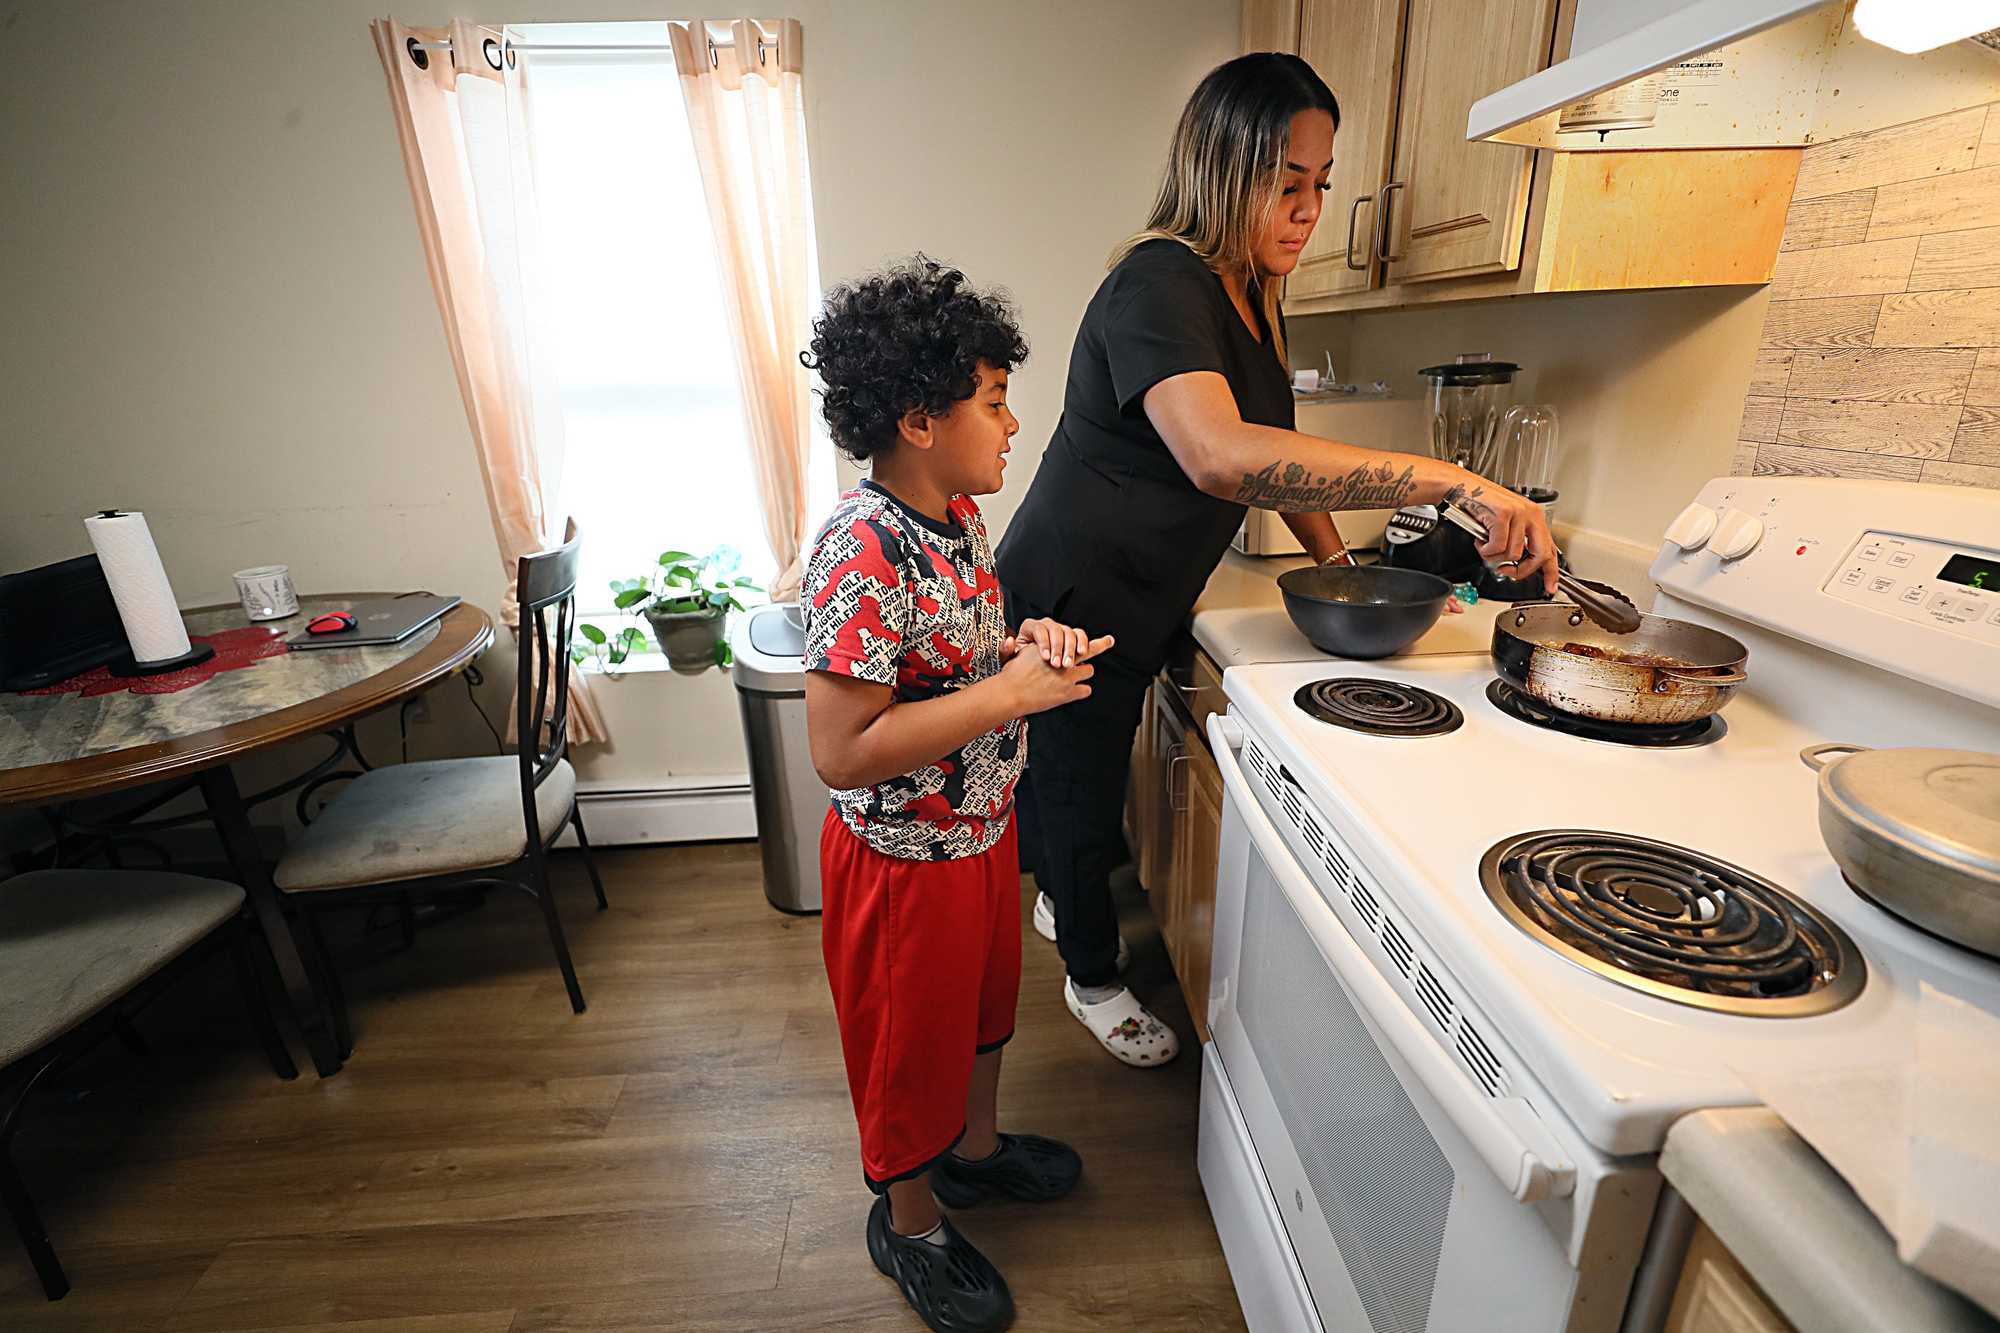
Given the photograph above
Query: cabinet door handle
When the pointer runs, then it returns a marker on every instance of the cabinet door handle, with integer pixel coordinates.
(1353, 216)
(1177, 791)
(1384, 220)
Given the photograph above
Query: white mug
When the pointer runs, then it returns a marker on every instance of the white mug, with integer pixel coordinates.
(267, 592)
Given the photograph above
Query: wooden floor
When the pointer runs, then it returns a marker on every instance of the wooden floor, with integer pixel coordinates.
(681, 1157)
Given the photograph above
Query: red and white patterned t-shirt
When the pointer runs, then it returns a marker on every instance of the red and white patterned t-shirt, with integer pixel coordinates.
(899, 599)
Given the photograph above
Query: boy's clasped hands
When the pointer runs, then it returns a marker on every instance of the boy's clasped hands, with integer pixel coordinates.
(1048, 664)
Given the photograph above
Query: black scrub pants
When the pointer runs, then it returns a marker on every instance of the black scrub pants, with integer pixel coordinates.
(1072, 807)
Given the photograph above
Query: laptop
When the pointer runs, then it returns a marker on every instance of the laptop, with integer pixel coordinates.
(56, 621)
(379, 621)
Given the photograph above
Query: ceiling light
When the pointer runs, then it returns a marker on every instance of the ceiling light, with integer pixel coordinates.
(1911, 26)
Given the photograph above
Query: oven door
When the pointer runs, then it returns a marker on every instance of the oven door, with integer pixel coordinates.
(1407, 1195)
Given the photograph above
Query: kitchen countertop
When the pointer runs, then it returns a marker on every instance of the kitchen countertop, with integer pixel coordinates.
(1801, 1232)
(1240, 618)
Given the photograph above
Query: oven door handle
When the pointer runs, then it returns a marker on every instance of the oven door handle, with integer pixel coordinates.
(1505, 1131)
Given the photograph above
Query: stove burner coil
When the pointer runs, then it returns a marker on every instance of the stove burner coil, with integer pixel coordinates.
(1379, 707)
(1516, 704)
(1674, 923)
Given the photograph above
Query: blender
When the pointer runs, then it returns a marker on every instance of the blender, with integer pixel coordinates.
(1469, 400)
(1525, 455)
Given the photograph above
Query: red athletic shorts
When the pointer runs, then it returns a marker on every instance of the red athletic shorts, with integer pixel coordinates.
(924, 958)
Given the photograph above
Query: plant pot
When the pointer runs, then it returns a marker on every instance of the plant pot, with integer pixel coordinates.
(689, 638)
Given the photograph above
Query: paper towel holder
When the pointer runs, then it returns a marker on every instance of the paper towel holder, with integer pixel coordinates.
(126, 666)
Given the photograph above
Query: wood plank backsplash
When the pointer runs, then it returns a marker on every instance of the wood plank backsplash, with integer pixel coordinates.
(1881, 353)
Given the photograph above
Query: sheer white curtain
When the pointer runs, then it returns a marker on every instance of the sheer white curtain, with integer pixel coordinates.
(743, 84)
(461, 120)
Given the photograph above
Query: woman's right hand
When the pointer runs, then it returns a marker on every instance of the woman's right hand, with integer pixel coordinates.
(1518, 541)
(1035, 686)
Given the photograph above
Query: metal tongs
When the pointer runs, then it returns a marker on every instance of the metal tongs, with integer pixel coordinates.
(1604, 604)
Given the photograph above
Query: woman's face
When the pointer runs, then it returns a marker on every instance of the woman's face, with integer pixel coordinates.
(1308, 162)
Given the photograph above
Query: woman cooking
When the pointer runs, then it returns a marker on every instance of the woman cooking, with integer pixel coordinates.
(1177, 415)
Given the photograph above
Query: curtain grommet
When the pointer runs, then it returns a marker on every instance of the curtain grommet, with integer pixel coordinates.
(491, 49)
(513, 57)
(418, 56)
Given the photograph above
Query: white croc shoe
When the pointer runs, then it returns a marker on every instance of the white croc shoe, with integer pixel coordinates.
(1045, 926)
(1125, 1028)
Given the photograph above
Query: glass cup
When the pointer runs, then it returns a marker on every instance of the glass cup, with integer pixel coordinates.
(267, 592)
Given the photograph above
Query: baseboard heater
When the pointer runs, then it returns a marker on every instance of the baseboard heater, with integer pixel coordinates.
(709, 810)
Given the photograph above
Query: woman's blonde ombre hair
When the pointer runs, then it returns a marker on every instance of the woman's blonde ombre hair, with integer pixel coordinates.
(1225, 163)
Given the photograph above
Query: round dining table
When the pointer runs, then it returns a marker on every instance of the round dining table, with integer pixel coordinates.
(97, 733)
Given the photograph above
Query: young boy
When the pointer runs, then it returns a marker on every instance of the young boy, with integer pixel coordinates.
(914, 699)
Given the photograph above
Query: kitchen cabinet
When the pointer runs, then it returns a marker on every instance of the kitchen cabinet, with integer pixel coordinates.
(1202, 694)
(1438, 219)
(1357, 48)
(1269, 25)
(1197, 845)
(1177, 823)
(1716, 1295)
(1165, 749)
(1455, 208)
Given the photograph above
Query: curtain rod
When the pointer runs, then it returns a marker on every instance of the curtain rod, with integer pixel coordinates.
(713, 45)
(495, 52)
(566, 46)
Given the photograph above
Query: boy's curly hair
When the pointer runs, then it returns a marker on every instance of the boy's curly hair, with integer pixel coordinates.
(909, 338)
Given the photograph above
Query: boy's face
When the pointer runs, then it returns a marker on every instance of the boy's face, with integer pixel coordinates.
(969, 444)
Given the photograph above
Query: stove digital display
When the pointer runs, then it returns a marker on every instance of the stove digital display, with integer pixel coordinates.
(1972, 571)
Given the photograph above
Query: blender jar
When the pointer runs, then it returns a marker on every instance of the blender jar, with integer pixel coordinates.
(1467, 399)
(1528, 452)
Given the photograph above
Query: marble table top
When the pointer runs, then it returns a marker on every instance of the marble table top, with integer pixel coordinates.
(55, 728)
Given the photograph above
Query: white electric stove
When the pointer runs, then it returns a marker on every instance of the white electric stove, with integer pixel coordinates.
(1425, 1109)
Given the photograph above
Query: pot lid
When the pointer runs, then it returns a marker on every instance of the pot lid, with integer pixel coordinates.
(1469, 373)
(1945, 803)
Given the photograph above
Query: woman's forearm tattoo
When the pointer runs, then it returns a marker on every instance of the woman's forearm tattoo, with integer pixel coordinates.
(1469, 501)
(1290, 488)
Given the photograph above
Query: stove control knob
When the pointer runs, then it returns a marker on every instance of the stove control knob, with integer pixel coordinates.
(1694, 527)
(1736, 534)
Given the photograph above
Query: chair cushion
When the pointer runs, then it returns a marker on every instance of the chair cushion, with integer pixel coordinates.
(409, 821)
(74, 941)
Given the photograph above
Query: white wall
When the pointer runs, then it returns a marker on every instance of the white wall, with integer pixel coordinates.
(1648, 387)
(1020, 141)
(216, 308)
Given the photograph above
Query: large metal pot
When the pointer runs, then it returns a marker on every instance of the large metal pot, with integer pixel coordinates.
(1917, 832)
(1665, 673)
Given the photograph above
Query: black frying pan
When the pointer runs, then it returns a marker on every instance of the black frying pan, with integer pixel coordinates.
(1362, 611)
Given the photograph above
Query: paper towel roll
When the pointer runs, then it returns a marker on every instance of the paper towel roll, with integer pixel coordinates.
(139, 586)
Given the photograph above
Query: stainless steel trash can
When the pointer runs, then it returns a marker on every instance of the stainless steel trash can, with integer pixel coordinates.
(769, 645)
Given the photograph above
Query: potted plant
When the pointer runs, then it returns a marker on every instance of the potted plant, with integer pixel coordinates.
(686, 599)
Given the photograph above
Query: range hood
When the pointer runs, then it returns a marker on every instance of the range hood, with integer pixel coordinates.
(1645, 74)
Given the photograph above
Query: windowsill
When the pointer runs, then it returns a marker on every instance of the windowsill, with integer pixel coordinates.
(643, 664)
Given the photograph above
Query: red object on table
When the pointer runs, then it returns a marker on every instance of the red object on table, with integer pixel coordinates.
(234, 650)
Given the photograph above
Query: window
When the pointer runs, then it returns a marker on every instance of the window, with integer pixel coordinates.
(655, 454)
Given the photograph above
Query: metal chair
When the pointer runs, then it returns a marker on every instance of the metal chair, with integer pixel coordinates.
(442, 826)
(80, 952)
